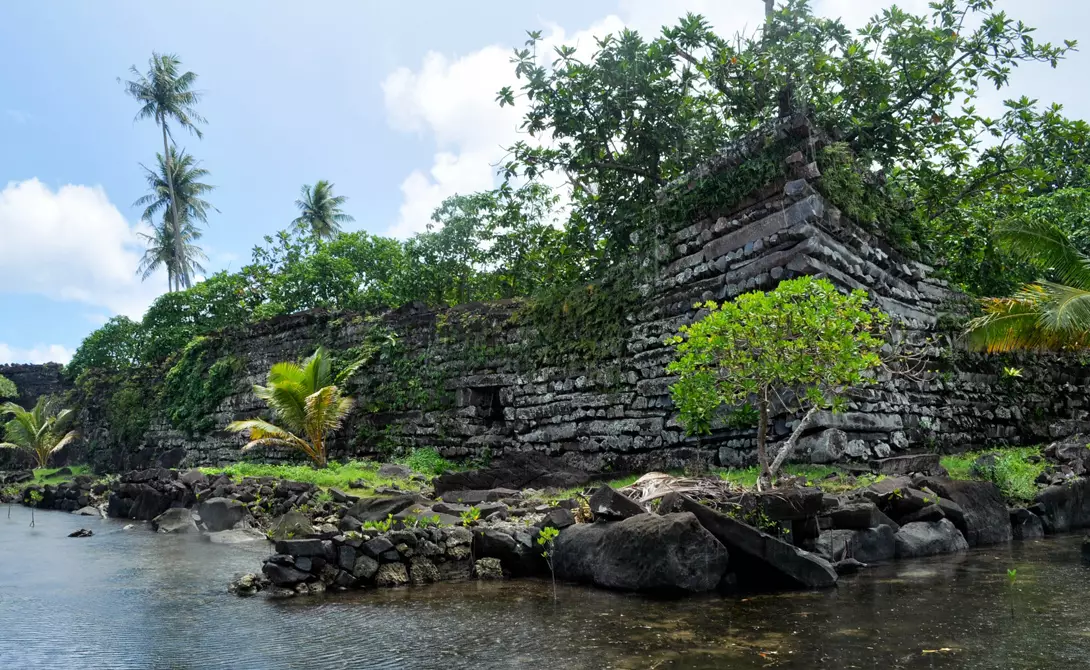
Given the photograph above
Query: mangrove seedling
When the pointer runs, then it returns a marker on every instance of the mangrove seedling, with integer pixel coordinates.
(35, 499)
(1012, 577)
(470, 516)
(546, 539)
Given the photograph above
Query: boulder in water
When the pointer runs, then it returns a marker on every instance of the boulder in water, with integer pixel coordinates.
(221, 514)
(175, 520)
(927, 538)
(647, 552)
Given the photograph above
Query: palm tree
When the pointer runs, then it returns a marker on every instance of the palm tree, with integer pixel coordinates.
(167, 95)
(1049, 314)
(306, 402)
(161, 252)
(38, 430)
(320, 210)
(188, 192)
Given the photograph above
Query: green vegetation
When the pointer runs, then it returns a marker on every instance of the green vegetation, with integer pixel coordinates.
(805, 337)
(359, 475)
(427, 461)
(308, 403)
(197, 384)
(320, 212)
(546, 538)
(7, 388)
(827, 478)
(1014, 470)
(626, 126)
(40, 431)
(167, 95)
(470, 516)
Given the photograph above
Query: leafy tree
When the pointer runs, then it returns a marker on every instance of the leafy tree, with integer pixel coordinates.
(1051, 313)
(638, 114)
(220, 301)
(307, 403)
(7, 388)
(181, 261)
(320, 211)
(115, 346)
(798, 346)
(166, 95)
(41, 431)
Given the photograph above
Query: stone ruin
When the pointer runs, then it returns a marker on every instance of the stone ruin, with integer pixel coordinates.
(479, 395)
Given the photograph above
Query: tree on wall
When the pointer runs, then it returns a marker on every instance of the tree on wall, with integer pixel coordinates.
(7, 388)
(800, 346)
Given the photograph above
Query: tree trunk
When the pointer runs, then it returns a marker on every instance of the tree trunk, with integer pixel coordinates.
(764, 480)
(179, 247)
(789, 446)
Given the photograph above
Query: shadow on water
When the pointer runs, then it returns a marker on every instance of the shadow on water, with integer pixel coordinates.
(133, 599)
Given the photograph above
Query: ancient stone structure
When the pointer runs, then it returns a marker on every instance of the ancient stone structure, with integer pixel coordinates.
(468, 380)
(33, 381)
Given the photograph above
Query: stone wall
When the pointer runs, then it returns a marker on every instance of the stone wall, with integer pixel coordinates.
(32, 381)
(466, 380)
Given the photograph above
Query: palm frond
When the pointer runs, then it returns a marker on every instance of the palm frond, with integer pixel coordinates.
(1048, 248)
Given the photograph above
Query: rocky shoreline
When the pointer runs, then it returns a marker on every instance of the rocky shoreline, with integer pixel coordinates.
(661, 534)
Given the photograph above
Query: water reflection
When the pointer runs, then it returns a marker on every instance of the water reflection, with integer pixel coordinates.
(132, 599)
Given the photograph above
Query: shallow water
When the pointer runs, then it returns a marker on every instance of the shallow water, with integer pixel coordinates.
(133, 599)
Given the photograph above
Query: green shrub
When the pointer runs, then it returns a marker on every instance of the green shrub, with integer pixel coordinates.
(1013, 470)
(427, 461)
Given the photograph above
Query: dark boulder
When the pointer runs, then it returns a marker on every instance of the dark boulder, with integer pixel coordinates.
(377, 509)
(610, 505)
(378, 547)
(558, 518)
(927, 464)
(292, 525)
(648, 552)
(929, 538)
(787, 504)
(758, 558)
(478, 497)
(1025, 525)
(930, 513)
(221, 514)
(175, 520)
(283, 575)
(118, 507)
(514, 546)
(309, 548)
(859, 515)
(868, 545)
(986, 520)
(519, 470)
(82, 532)
(395, 471)
(172, 458)
(148, 505)
(1065, 507)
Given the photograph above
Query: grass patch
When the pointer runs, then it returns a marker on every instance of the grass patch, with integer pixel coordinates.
(427, 462)
(613, 483)
(1014, 470)
(814, 475)
(356, 475)
(50, 476)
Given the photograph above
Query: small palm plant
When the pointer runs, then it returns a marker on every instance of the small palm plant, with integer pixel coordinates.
(40, 431)
(307, 403)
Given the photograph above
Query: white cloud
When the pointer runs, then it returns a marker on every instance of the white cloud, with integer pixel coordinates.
(40, 353)
(71, 244)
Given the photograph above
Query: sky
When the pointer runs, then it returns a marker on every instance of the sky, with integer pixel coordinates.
(392, 102)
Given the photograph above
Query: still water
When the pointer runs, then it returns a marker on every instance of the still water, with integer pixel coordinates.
(133, 599)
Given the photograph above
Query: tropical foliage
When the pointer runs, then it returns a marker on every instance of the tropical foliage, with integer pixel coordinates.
(798, 347)
(1052, 313)
(167, 96)
(320, 211)
(307, 403)
(40, 431)
(7, 388)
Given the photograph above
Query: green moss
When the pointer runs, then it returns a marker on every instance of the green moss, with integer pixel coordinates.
(1015, 470)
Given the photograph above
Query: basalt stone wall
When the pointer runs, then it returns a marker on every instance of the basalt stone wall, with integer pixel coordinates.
(468, 380)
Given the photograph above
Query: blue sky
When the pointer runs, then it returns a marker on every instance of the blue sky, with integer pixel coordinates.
(393, 102)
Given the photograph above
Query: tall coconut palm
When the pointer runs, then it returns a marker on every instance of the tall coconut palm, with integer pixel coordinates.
(320, 210)
(167, 95)
(40, 431)
(188, 191)
(162, 252)
(307, 404)
(1049, 314)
